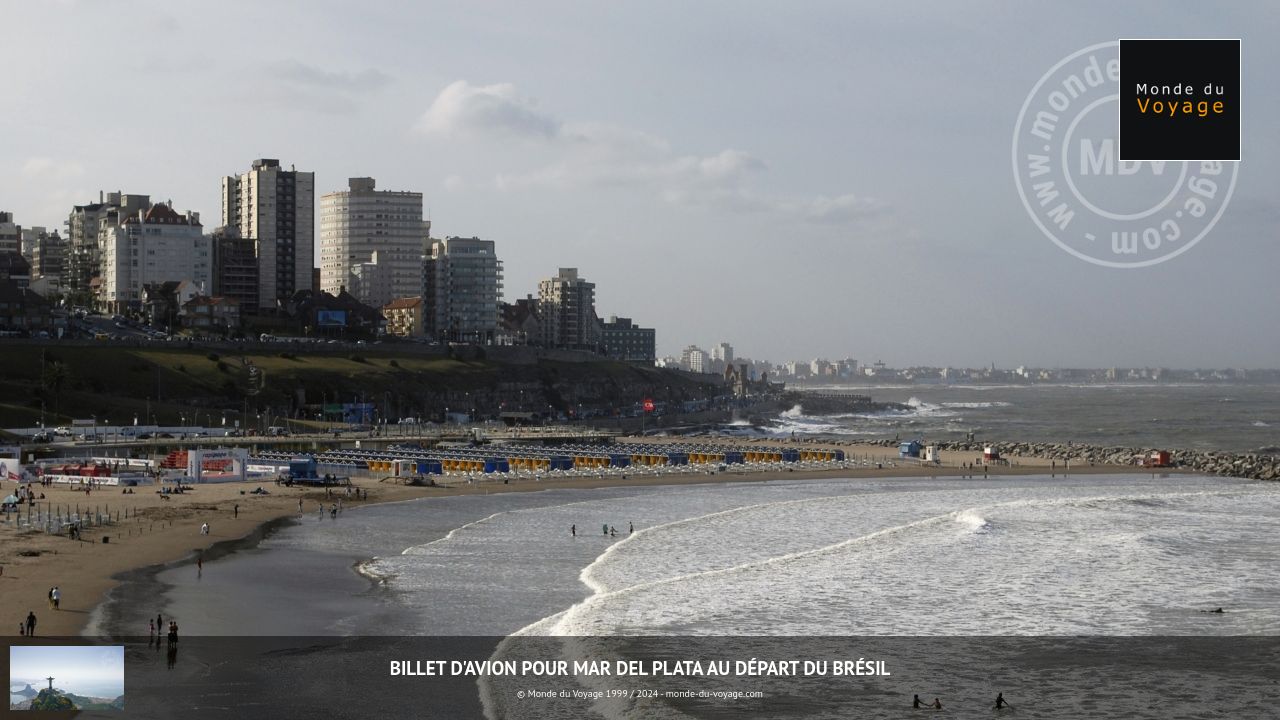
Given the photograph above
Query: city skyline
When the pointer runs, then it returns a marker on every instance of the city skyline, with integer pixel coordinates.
(801, 192)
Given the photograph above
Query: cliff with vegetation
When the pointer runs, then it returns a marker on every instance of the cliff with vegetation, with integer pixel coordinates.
(163, 384)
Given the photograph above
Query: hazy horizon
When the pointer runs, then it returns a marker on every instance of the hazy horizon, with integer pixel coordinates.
(827, 180)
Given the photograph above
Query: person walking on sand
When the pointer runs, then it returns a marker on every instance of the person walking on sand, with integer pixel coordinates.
(31, 624)
(299, 506)
(204, 529)
(50, 598)
(236, 511)
(56, 594)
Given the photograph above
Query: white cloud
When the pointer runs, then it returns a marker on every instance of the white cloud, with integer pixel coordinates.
(588, 155)
(842, 208)
(463, 108)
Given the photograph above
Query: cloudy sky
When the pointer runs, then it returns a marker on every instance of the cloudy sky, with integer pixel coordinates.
(799, 179)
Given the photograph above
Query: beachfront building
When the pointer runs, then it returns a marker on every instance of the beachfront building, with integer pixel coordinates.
(85, 227)
(462, 290)
(567, 306)
(722, 352)
(15, 269)
(235, 269)
(45, 251)
(20, 307)
(275, 209)
(621, 339)
(519, 322)
(151, 247)
(371, 242)
(341, 315)
(695, 359)
(211, 314)
(405, 317)
(10, 233)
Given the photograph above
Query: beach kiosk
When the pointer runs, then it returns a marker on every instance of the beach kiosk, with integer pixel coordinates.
(990, 454)
(931, 454)
(1159, 458)
(909, 449)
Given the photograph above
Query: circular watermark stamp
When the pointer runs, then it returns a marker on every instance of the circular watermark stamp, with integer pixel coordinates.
(1083, 197)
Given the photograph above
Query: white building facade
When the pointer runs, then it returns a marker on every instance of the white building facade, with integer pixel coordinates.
(363, 225)
(154, 246)
(567, 304)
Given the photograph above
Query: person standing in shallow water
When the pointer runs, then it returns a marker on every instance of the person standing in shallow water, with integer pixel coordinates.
(573, 530)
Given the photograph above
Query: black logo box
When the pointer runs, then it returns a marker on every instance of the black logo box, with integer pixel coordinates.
(1180, 64)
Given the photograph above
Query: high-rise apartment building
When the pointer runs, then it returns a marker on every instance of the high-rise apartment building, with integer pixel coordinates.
(462, 290)
(45, 251)
(371, 242)
(152, 247)
(567, 304)
(722, 352)
(275, 208)
(10, 233)
(85, 227)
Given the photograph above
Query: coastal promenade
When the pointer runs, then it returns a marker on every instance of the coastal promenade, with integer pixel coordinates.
(311, 441)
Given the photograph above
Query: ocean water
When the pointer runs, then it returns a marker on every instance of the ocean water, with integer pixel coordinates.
(1088, 556)
(1241, 418)
(1094, 555)
(1026, 555)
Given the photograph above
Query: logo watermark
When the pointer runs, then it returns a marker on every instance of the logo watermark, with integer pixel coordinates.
(1114, 213)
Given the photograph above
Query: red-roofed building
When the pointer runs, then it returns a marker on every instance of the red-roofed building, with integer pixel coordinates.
(405, 317)
(211, 313)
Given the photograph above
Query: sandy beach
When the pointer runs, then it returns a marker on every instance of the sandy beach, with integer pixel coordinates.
(155, 531)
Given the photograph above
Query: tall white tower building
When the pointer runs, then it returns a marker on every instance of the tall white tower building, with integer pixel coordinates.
(371, 242)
